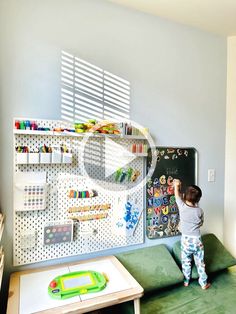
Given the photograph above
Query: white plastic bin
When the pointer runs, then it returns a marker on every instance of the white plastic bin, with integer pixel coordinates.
(45, 158)
(33, 158)
(28, 239)
(56, 157)
(67, 158)
(21, 158)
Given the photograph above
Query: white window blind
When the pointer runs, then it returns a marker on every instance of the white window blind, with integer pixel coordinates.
(89, 92)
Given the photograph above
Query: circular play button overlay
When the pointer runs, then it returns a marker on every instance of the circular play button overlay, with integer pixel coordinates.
(111, 162)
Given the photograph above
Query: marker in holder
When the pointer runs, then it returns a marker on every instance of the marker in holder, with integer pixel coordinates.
(45, 154)
(66, 154)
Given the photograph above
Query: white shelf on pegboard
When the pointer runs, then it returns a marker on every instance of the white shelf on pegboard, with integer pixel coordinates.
(134, 137)
(135, 154)
(32, 132)
(73, 134)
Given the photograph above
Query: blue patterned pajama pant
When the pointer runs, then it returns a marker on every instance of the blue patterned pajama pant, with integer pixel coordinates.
(192, 247)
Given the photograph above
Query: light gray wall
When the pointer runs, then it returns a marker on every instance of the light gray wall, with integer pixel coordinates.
(177, 75)
(230, 150)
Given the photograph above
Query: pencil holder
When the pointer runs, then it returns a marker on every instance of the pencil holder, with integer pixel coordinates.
(33, 158)
(56, 157)
(21, 158)
(45, 158)
(67, 158)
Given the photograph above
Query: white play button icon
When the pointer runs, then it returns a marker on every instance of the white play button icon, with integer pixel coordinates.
(107, 161)
(116, 156)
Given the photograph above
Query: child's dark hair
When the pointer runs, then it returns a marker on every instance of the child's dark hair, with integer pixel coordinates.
(193, 194)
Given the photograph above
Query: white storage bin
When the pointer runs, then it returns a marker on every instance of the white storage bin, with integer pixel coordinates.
(45, 158)
(67, 158)
(33, 158)
(28, 239)
(21, 158)
(56, 157)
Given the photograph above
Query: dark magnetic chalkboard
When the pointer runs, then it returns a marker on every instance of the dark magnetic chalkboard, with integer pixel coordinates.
(162, 216)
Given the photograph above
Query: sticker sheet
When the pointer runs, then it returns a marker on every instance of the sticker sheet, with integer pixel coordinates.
(162, 215)
(126, 219)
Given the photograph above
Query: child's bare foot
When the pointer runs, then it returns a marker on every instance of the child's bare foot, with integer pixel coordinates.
(206, 286)
(186, 284)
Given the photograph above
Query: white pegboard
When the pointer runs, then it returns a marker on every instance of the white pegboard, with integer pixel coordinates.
(89, 236)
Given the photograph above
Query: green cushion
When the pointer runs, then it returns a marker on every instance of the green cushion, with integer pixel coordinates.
(219, 299)
(216, 256)
(153, 267)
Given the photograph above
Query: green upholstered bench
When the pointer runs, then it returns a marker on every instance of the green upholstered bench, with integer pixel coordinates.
(160, 276)
(153, 267)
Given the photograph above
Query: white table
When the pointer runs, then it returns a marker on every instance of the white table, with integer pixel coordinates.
(28, 289)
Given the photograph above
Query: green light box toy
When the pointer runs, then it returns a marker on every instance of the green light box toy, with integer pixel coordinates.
(76, 283)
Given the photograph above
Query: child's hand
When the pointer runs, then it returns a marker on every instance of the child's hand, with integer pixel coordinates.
(177, 187)
(177, 183)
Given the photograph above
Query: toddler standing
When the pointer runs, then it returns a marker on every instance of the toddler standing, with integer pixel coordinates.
(191, 219)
